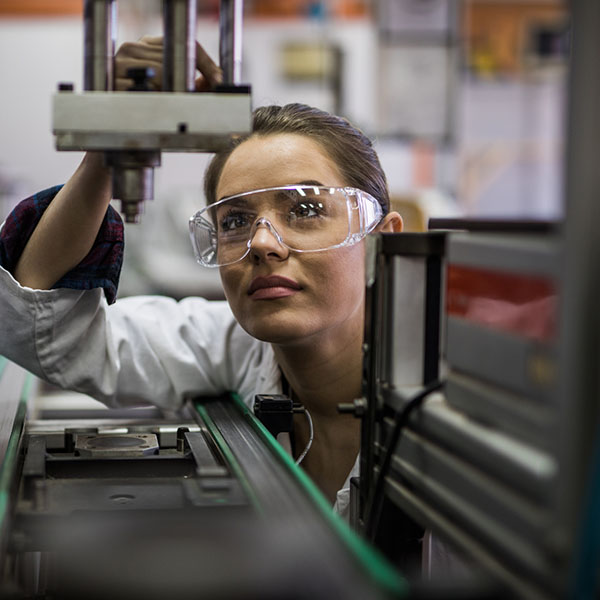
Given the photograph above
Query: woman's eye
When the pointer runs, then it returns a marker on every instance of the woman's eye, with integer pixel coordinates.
(307, 209)
(234, 222)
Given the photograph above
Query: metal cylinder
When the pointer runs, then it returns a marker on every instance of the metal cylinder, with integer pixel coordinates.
(133, 180)
(230, 40)
(99, 25)
(179, 58)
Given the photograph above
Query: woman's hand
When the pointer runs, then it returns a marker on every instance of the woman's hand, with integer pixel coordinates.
(148, 52)
(69, 226)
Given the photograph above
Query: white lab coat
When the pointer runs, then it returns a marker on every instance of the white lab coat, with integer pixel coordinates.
(139, 350)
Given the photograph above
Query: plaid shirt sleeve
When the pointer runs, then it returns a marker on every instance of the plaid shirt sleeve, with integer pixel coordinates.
(100, 268)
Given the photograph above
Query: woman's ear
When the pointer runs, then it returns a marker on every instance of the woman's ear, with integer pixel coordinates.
(391, 223)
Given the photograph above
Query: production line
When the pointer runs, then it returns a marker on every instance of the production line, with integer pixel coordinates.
(126, 501)
(130, 504)
(478, 414)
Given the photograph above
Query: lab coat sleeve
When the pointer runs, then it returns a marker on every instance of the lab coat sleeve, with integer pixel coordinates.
(140, 350)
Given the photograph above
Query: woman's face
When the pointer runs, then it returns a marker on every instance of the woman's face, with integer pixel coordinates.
(277, 295)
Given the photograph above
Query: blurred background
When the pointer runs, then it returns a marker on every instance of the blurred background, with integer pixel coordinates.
(464, 99)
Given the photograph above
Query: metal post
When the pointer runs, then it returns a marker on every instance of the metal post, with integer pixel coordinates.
(99, 23)
(179, 20)
(580, 318)
(230, 40)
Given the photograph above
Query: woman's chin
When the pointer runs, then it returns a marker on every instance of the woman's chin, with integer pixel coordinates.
(279, 331)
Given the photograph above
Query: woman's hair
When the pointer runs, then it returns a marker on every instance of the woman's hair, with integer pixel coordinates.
(350, 149)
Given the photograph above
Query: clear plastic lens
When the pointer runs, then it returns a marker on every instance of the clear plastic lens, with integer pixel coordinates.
(303, 218)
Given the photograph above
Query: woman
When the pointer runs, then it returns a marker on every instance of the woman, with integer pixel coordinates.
(293, 320)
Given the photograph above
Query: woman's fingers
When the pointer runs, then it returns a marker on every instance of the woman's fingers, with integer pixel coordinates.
(141, 50)
(211, 73)
(148, 52)
(152, 40)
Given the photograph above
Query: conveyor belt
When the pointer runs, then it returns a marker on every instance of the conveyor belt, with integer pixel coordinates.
(154, 508)
(283, 492)
(15, 384)
(274, 491)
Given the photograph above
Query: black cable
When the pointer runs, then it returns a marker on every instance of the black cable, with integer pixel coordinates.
(375, 502)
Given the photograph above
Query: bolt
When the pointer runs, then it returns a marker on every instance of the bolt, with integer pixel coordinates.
(356, 408)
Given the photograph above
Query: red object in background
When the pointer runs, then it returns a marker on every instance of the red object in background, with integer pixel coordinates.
(513, 303)
(304, 8)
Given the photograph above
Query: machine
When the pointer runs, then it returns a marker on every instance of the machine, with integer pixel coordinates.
(475, 462)
(479, 462)
(136, 503)
(132, 128)
(108, 503)
(480, 470)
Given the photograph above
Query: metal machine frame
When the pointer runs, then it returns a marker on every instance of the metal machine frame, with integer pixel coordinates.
(503, 465)
(129, 503)
(132, 128)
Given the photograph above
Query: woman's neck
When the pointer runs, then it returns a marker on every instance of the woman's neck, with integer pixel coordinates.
(322, 375)
(323, 372)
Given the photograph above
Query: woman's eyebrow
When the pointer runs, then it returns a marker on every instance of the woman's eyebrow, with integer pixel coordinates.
(309, 182)
(297, 183)
(241, 201)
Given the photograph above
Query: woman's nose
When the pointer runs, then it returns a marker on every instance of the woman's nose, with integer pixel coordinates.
(266, 243)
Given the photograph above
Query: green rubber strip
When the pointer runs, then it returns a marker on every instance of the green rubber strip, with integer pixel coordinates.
(3, 363)
(378, 567)
(10, 458)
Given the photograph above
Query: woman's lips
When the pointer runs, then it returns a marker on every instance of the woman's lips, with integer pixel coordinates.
(271, 287)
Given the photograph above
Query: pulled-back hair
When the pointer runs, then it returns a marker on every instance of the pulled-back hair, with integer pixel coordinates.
(350, 149)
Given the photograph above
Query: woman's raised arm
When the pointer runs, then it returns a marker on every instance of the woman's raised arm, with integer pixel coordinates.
(69, 226)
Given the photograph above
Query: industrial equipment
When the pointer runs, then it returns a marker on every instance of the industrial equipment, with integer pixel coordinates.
(109, 503)
(479, 453)
(132, 128)
(482, 471)
(478, 463)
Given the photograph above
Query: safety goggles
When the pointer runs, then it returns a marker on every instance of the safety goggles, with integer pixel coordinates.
(302, 218)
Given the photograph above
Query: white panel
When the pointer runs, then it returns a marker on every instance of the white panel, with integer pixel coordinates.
(408, 321)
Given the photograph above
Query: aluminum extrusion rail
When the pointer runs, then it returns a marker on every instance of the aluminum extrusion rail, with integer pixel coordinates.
(284, 494)
(15, 386)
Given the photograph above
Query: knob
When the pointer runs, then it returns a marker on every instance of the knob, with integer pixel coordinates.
(141, 78)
